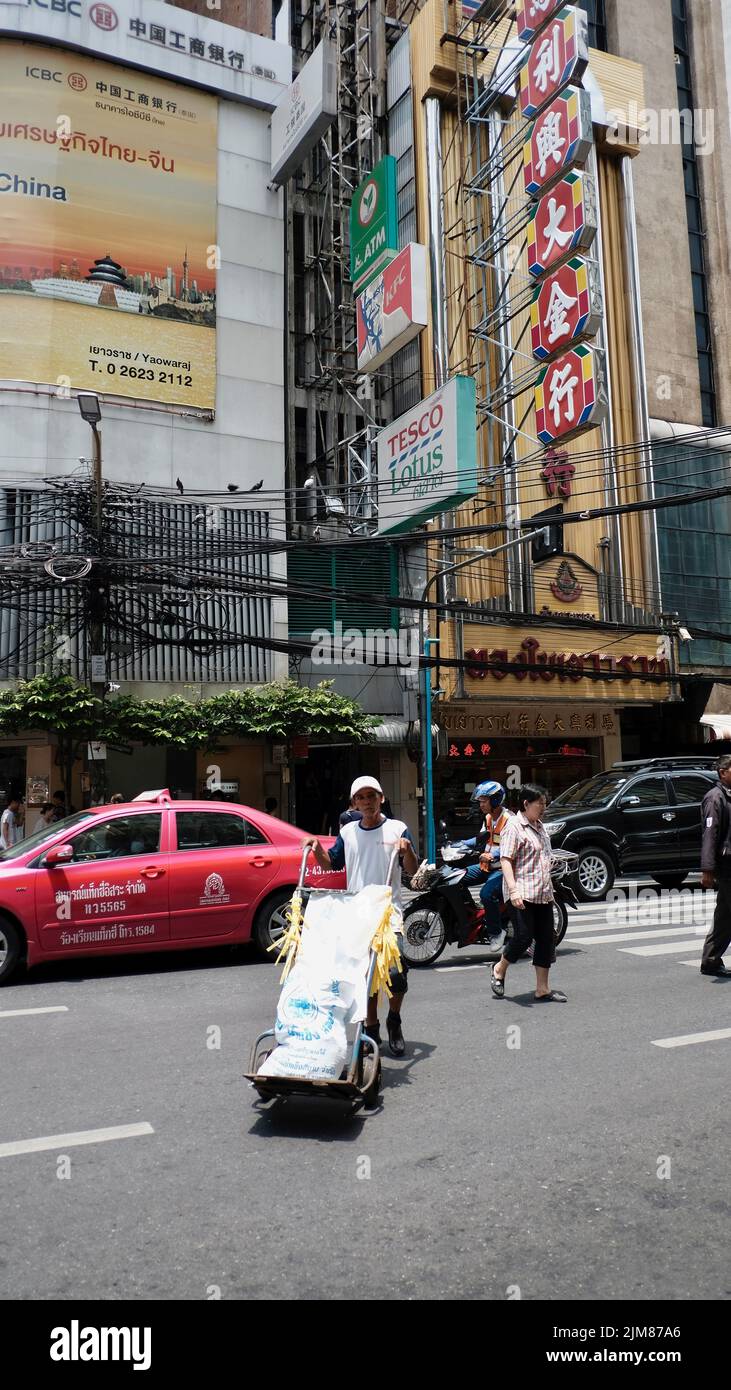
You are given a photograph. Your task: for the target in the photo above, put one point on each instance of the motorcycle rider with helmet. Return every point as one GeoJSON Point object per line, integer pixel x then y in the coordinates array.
{"type": "Point", "coordinates": [490, 797]}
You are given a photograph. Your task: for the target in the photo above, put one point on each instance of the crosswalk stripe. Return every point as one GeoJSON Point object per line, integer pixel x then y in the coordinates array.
{"type": "Point", "coordinates": [631, 936]}
{"type": "Point", "coordinates": [689, 1038]}
{"type": "Point", "coordinates": [49, 1009]}
{"type": "Point", "coordinates": [662, 948]}
{"type": "Point", "coordinates": [670, 914]}
{"type": "Point", "coordinates": [68, 1141]}
{"type": "Point", "coordinates": [694, 963]}
{"type": "Point", "coordinates": [592, 928]}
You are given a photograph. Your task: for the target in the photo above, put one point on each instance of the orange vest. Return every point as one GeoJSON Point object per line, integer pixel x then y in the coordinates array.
{"type": "Point", "coordinates": [494, 828]}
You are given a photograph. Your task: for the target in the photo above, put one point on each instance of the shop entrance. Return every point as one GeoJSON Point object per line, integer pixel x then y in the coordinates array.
{"type": "Point", "coordinates": [541, 760]}
{"type": "Point", "coordinates": [12, 774]}
{"type": "Point", "coordinates": [322, 784]}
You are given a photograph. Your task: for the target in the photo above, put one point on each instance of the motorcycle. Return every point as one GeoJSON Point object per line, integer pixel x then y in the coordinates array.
{"type": "Point", "coordinates": [445, 912]}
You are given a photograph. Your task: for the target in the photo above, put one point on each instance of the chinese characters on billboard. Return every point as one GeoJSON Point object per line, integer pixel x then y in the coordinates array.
{"type": "Point", "coordinates": [108, 257]}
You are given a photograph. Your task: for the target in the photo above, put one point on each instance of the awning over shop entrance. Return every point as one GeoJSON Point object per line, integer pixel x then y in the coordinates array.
{"type": "Point", "coordinates": [717, 714]}
{"type": "Point", "coordinates": [398, 733]}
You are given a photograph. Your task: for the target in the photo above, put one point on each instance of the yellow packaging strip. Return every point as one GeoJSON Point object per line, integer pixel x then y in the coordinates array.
{"type": "Point", "coordinates": [288, 944]}
{"type": "Point", "coordinates": [385, 945]}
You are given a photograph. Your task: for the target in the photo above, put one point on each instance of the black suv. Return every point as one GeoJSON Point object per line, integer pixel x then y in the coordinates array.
{"type": "Point", "coordinates": [637, 818]}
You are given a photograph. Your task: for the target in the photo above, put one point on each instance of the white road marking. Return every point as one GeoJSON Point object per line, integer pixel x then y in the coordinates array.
{"type": "Point", "coordinates": [69, 1141]}
{"type": "Point", "coordinates": [670, 917]}
{"type": "Point", "coordinates": [694, 963]}
{"type": "Point", "coordinates": [661, 949]}
{"type": "Point", "coordinates": [689, 1038]}
{"type": "Point", "coordinates": [19, 1013]}
{"type": "Point", "coordinates": [634, 936]}
{"type": "Point", "coordinates": [594, 928]}
{"type": "Point", "coordinates": [458, 966]}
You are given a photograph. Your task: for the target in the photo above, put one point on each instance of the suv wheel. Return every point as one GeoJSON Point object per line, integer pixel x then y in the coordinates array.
{"type": "Point", "coordinates": [595, 874]}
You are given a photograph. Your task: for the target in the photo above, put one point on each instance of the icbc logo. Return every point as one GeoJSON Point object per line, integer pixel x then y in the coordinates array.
{"type": "Point", "coordinates": [104, 17]}
{"type": "Point", "coordinates": [43, 74]}
{"type": "Point", "coordinates": [77, 81]}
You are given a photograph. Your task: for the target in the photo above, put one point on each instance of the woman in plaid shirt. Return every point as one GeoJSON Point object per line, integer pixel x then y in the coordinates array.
{"type": "Point", "coordinates": [525, 859]}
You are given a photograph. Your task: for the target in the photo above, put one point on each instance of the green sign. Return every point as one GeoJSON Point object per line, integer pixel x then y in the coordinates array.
{"type": "Point", "coordinates": [374, 223]}
{"type": "Point", "coordinates": [427, 459]}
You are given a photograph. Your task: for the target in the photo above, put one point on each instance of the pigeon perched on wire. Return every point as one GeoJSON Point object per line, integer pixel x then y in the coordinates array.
{"type": "Point", "coordinates": [257, 486]}
{"type": "Point", "coordinates": [179, 486]}
{"type": "Point", "coordinates": [232, 487]}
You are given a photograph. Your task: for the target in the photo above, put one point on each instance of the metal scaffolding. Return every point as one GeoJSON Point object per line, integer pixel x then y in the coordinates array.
{"type": "Point", "coordinates": [332, 412]}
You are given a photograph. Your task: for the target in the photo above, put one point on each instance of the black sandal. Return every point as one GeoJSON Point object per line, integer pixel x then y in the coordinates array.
{"type": "Point", "coordinates": [497, 986]}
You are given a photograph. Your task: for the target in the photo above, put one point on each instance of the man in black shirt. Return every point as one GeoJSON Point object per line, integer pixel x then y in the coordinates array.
{"type": "Point", "coordinates": [716, 868]}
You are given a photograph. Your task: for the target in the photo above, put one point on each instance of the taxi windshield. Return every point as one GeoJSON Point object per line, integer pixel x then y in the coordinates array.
{"type": "Point", "coordinates": [40, 838]}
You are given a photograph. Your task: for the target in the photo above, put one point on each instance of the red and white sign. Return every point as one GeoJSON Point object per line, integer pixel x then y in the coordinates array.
{"type": "Point", "coordinates": [559, 55]}
{"type": "Point", "coordinates": [392, 309]}
{"type": "Point", "coordinates": [532, 15]}
{"type": "Point", "coordinates": [566, 307]}
{"type": "Point", "coordinates": [563, 222]}
{"type": "Point", "coordinates": [571, 395]}
{"type": "Point", "coordinates": [560, 138]}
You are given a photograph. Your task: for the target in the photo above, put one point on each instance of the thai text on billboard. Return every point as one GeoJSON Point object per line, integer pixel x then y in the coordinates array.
{"type": "Point", "coordinates": [108, 257]}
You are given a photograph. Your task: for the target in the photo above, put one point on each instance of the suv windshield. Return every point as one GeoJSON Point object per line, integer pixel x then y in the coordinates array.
{"type": "Point", "coordinates": [40, 837]}
{"type": "Point", "coordinates": [596, 791]}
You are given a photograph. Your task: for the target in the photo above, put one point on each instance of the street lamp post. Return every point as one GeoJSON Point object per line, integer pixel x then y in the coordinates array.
{"type": "Point", "coordinates": [480, 553]}
{"type": "Point", "coordinates": [91, 412]}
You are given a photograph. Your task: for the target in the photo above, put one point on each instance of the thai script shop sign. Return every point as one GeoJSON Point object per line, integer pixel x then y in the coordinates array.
{"type": "Point", "coordinates": [108, 256]}
{"type": "Point", "coordinates": [620, 667]}
{"type": "Point", "coordinates": [427, 459]}
{"type": "Point", "coordinates": [374, 223]}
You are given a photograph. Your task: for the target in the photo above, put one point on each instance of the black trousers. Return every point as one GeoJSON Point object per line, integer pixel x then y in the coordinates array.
{"type": "Point", "coordinates": [534, 922]}
{"type": "Point", "coordinates": [719, 937]}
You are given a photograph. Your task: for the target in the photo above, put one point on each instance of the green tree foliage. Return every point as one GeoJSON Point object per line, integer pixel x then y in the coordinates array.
{"type": "Point", "coordinates": [281, 710]}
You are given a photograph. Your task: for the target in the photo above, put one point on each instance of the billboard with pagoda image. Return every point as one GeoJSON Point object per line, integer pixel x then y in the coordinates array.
{"type": "Point", "coordinates": [108, 251]}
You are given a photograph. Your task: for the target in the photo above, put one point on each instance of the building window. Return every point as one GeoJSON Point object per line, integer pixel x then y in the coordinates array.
{"type": "Point", "coordinates": [694, 210]}
{"type": "Point", "coordinates": [695, 549]}
{"type": "Point", "coordinates": [596, 12]}
{"type": "Point", "coordinates": [312, 571]}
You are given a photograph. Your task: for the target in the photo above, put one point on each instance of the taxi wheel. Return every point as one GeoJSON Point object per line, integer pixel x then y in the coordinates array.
{"type": "Point", "coordinates": [270, 923]}
{"type": "Point", "coordinates": [11, 950]}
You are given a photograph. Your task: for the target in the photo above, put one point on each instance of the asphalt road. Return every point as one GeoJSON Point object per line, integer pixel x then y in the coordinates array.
{"type": "Point", "coordinates": [584, 1163]}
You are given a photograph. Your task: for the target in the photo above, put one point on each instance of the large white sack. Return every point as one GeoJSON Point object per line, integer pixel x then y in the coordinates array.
{"type": "Point", "coordinates": [327, 986]}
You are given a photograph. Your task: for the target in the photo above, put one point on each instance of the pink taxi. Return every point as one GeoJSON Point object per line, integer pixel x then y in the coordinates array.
{"type": "Point", "coordinates": [151, 875]}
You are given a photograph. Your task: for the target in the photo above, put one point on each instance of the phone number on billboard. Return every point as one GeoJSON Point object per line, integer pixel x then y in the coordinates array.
{"type": "Point", "coordinates": [140, 373]}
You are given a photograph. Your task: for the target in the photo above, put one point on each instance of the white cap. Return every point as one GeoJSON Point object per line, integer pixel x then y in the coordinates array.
{"type": "Point", "coordinates": [361, 783]}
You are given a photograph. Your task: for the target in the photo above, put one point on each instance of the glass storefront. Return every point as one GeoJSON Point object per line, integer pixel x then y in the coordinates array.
{"type": "Point", "coordinates": [512, 762]}
{"type": "Point", "coordinates": [12, 774]}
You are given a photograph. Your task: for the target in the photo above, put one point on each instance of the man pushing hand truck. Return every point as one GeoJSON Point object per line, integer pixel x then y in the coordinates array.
{"type": "Point", "coordinates": [364, 848]}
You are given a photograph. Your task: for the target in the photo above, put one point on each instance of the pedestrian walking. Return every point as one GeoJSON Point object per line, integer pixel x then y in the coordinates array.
{"type": "Point", "coordinates": [10, 823]}
{"type": "Point", "coordinates": [525, 859]}
{"type": "Point", "coordinates": [716, 868]}
{"type": "Point", "coordinates": [363, 848]}
{"type": "Point", "coordinates": [45, 818]}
